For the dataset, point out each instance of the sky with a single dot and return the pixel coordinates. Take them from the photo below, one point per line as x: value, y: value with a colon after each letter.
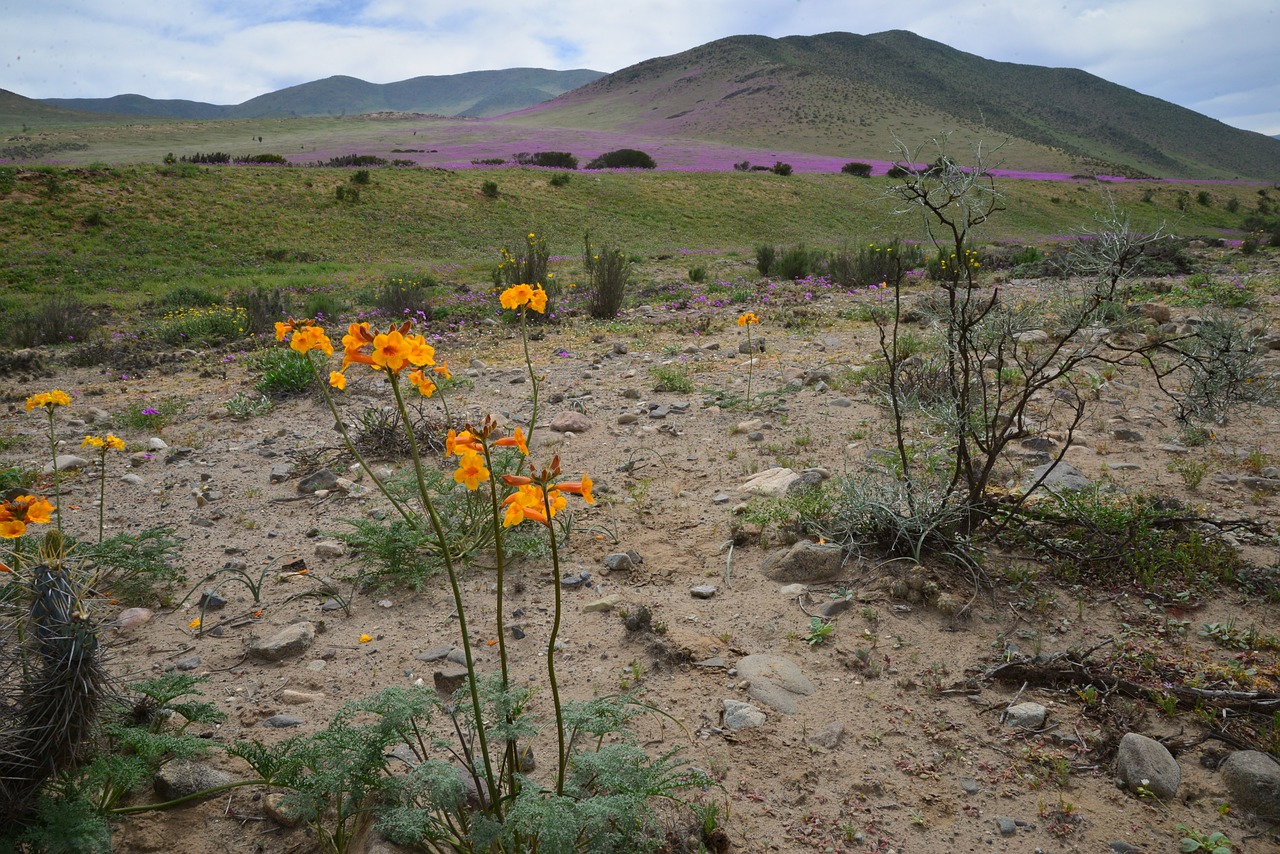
x: 1217, y: 58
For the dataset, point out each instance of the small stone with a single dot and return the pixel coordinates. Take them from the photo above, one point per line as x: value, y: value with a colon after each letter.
x: 1253, y: 783
x: 618, y: 562
x: 790, y: 590
x: 702, y: 591
x: 1026, y: 716
x: 211, y: 601
x: 65, y: 462
x: 608, y: 603
x: 182, y: 777
x: 318, y: 480
x: 330, y: 548
x: 132, y: 479
x: 774, y: 681
x: 1125, y: 434
x: 660, y: 412
x: 722, y: 498
x: 629, y: 418
x: 155, y: 443
x: 131, y: 618
x: 282, y: 721
x: 273, y: 807
x: 739, y: 715
x: 289, y: 641
x: 1122, y: 847
x: 1006, y: 826
x: 755, y: 436
x: 437, y: 653
x: 449, y: 679
x: 191, y: 662
x: 842, y: 402
x: 969, y: 786
x: 806, y: 562
x: 291, y: 697
x: 573, y: 580
x: 570, y: 422
x: 829, y: 736
x: 1146, y: 763
x: 749, y: 426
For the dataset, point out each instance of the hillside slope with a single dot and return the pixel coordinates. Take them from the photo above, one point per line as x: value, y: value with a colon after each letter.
x: 841, y: 92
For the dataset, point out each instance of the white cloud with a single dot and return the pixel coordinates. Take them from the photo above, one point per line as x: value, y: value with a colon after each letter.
x: 1210, y: 57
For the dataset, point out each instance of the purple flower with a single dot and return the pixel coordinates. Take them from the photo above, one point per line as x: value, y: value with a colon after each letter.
x: 150, y: 411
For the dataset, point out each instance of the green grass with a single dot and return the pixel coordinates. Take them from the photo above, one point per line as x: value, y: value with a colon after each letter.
x: 222, y: 230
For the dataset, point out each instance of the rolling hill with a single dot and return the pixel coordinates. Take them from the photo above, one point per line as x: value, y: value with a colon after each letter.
x: 841, y: 92
x: 474, y: 93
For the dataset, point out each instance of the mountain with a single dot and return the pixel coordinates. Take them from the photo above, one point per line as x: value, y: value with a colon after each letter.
x: 838, y: 93
x: 474, y: 93
x: 17, y: 111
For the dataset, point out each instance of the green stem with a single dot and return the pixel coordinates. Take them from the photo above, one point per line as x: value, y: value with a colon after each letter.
x: 351, y: 446
x: 562, y: 758
x: 102, y: 493
x: 451, y: 571
x: 203, y: 793
x: 533, y: 377
x: 53, y: 454
x: 500, y: 559
x: 751, y: 364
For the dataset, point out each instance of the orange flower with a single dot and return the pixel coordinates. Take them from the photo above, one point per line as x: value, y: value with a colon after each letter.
x: 461, y: 443
x: 516, y: 479
x: 194, y: 624
x: 366, y: 638
x: 37, y: 510
x: 538, y: 302
x: 515, y: 440
x: 390, y: 351
x: 471, y: 470
x: 310, y: 338
x: 11, y: 529
x: 424, y: 386
x: 338, y: 380
x: 747, y: 319
x: 443, y: 370
x: 516, y: 296
x: 49, y: 400
x: 580, y: 487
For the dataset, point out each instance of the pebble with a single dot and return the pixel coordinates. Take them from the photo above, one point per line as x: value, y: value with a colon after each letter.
x: 618, y: 562
x: 282, y: 721
x: 702, y: 591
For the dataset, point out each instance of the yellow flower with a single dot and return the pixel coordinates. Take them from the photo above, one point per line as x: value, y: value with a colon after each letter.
x: 310, y: 338
x: 425, y: 386
x: 516, y: 296
x: 38, y: 510
x: 194, y: 624
x: 365, y: 638
x: 747, y: 318
x: 109, y: 442
x: 11, y: 529
x: 390, y: 351
x: 443, y: 370
x: 93, y: 441
x: 338, y: 380
x: 515, y: 440
x: 471, y: 470
x: 115, y: 443
x: 49, y: 399
x: 538, y: 302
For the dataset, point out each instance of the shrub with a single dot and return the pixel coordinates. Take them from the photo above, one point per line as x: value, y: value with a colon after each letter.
x: 874, y: 263
x: 860, y: 170
x: 361, y: 177
x: 1232, y: 205
x: 560, y: 179
x: 671, y: 378
x: 766, y: 257
x: 608, y: 272
x: 262, y: 307
x: 208, y: 325
x: 137, y: 569
x: 547, y: 159
x: 348, y: 160
x: 152, y: 415
x: 344, y: 193
x: 623, y: 158
x: 214, y: 157
x: 1203, y: 198
x: 744, y: 166
x: 323, y: 306
x: 697, y: 275
x: 403, y: 297
x: 271, y: 159
x: 527, y: 265
x: 898, y: 171
x: 798, y: 262
x: 285, y: 373
x: 58, y: 319
x: 489, y: 189
x: 781, y: 168
x: 189, y: 296
x: 489, y: 161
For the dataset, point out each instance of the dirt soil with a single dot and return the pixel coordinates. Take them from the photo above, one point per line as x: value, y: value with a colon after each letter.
x: 900, y: 746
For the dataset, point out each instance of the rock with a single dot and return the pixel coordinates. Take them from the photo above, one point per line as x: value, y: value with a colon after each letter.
x: 570, y: 422
x: 792, y: 590
x: 834, y: 608
x: 274, y: 808
x: 1268, y: 485
x: 330, y: 548
x: 65, y: 462
x: 1006, y: 826
x: 182, y: 777
x: 806, y: 482
x: 211, y: 601
x: 829, y: 736
x: 1145, y: 762
x: 1026, y: 716
x: 132, y: 479
x: 298, y: 698
x: 1126, y: 434
x: 1122, y: 847
x: 282, y: 721
x: 749, y: 426
x: 191, y: 662
x: 739, y: 715
x: 155, y: 443
x: 756, y: 346
x: 138, y: 459
x: 618, y: 562
x: 438, y: 653
x: 770, y: 483
x: 660, y: 411
x: 450, y: 679
x: 318, y: 480
x: 289, y: 641
x: 1253, y: 783
x: 842, y: 402
x: 969, y: 786
x: 1156, y: 311
x: 774, y: 681
x: 574, y: 579
x: 628, y: 418
x: 1064, y: 477
x: 702, y: 591
x: 600, y: 606
x: 131, y: 618
x: 806, y: 562
x: 1032, y: 337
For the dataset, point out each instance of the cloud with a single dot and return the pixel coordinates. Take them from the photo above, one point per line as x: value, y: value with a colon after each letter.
x: 1215, y: 58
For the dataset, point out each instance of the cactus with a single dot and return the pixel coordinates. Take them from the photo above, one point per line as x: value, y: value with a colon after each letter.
x: 51, y: 678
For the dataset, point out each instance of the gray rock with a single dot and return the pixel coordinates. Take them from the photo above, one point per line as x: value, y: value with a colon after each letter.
x: 1125, y: 434
x: 1253, y: 783
x: 1064, y: 477
x: 739, y: 715
x: 438, y: 653
x: 1122, y: 847
x: 702, y: 591
x: 330, y: 548
x: 806, y: 482
x: 191, y: 662
x: 281, y: 472
x: 756, y: 346
x: 1026, y: 716
x: 132, y: 479
x: 770, y: 483
x: 65, y: 462
x: 1006, y: 826
x: 155, y: 443
x: 749, y: 426
x: 182, y: 777
x: 628, y: 418
x: 1145, y: 762
x: 842, y: 402
x: 1157, y: 312
x: 449, y: 679
x: 834, y: 608
x: 1038, y: 443
x: 318, y: 480
x: 570, y: 422
x: 1261, y: 484
x: 289, y: 641
x: 969, y: 786
x: 1032, y: 337
x: 660, y: 411
x: 829, y: 736
x: 211, y: 601
x: 774, y: 681
x: 806, y: 562
x: 618, y: 562
x: 282, y: 721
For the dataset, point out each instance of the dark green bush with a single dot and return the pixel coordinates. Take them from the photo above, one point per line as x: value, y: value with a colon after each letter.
x: 58, y: 319
x: 798, y: 262
x: 361, y: 177
x: 781, y: 168
x: 560, y: 179
x: 766, y: 257
x: 285, y: 373
x: 697, y: 275
x: 489, y: 189
x: 608, y: 273
x: 898, y: 171
x: 263, y: 307
x: 861, y: 170
x: 744, y: 166
x: 873, y: 263
x: 623, y: 158
x: 547, y: 159
x: 343, y: 193
x: 1232, y: 205
x: 213, y: 157
x: 189, y: 296
x: 323, y: 305
x: 347, y: 160
x: 272, y: 159
x: 406, y: 296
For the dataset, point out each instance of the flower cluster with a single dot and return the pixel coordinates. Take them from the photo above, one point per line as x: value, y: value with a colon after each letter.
x: 108, y: 442
x: 19, y: 512
x: 522, y: 295
x: 49, y: 400
x: 747, y: 319
x: 533, y: 500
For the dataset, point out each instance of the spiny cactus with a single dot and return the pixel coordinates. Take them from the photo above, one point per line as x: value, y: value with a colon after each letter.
x: 51, y: 678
